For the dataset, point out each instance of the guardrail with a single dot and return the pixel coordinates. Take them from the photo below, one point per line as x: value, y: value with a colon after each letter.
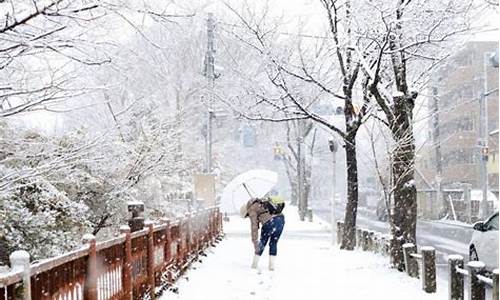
x: 423, y: 265
x: 133, y: 265
x: 367, y: 240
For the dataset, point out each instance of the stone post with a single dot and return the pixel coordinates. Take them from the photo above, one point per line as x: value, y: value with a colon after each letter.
x: 411, y: 264
x: 429, y: 269
x: 364, y: 240
x: 20, y: 261
x: 359, y: 237
x: 340, y: 231
x: 371, y: 241
x: 136, y: 223
x: 495, y: 285
x: 456, y: 281
x: 476, y: 286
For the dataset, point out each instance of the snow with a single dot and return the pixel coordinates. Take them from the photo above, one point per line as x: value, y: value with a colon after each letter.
x: 19, y: 258
x: 307, y: 267
x: 408, y: 245
x: 428, y: 248
x: 124, y: 228
x: 455, y: 257
x: 409, y: 184
x: 86, y: 238
x: 476, y: 264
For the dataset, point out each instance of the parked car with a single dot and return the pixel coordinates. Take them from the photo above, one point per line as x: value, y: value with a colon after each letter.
x: 484, y: 243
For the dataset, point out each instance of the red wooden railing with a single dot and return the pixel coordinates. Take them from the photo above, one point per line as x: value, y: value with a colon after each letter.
x: 130, y: 266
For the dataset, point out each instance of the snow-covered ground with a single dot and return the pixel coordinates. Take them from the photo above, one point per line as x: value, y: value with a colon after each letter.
x: 307, y: 268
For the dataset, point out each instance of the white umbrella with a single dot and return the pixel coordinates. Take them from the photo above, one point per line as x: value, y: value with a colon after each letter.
x: 251, y: 184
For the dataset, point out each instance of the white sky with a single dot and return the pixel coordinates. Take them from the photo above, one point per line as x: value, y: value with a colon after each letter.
x: 306, y: 13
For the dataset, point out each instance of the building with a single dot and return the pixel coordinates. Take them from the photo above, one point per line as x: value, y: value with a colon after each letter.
x: 451, y: 154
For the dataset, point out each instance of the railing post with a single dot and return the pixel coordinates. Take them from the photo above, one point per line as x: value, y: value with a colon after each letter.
x: 411, y: 264
x: 151, y: 260
x: 168, y: 237
x: 429, y: 269
x: 211, y: 233
x: 127, y: 264
x: 168, y: 250
x: 495, y: 285
x: 219, y: 216
x: 195, y: 231
x: 188, y: 233
x: 20, y: 260
x: 206, y: 231
x: 182, y: 243
x: 90, y: 287
x: 456, y: 281
x: 476, y: 286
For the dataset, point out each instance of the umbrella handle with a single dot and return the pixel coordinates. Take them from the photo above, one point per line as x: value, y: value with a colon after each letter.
x: 250, y: 194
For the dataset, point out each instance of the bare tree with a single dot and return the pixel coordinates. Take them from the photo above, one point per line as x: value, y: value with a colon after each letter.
x: 331, y: 65
x: 407, y: 42
x: 291, y: 156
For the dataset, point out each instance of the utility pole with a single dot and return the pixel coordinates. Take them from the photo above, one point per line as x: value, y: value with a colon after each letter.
x: 483, y: 138
x: 300, y: 174
x: 333, y: 149
x: 210, y: 74
x: 437, y: 146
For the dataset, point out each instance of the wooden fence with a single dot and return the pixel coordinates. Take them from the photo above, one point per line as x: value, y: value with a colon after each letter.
x: 134, y: 265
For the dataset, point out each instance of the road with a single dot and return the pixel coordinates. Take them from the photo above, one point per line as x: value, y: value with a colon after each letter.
x: 447, y: 238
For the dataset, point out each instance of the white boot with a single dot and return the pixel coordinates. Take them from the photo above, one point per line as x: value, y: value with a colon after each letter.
x: 272, y: 259
x: 255, y: 261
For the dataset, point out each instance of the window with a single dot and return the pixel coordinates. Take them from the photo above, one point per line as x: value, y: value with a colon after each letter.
x: 492, y: 223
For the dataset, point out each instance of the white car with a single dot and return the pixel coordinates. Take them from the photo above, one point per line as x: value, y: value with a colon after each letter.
x: 484, y: 243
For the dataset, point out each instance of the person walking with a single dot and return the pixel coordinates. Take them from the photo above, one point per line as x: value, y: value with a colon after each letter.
x: 268, y: 214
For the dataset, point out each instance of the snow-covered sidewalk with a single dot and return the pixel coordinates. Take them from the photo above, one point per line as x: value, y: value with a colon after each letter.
x: 307, y: 268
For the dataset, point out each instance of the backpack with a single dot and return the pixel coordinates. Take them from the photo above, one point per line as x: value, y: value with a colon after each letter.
x: 274, y: 204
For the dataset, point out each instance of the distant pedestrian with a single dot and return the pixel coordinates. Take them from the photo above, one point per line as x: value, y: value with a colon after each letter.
x: 266, y: 212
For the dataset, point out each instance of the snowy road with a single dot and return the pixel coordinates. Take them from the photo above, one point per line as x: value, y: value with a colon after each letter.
x: 445, y: 237
x: 307, y: 268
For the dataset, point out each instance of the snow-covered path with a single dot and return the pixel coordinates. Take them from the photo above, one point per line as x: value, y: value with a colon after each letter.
x: 307, y: 268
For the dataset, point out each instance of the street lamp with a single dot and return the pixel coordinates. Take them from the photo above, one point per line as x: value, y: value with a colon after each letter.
x: 333, y: 148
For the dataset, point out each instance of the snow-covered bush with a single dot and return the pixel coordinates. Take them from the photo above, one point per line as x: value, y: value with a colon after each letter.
x: 53, y: 189
x: 41, y: 219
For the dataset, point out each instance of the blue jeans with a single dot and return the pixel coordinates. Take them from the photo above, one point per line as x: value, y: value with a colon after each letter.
x: 271, y: 231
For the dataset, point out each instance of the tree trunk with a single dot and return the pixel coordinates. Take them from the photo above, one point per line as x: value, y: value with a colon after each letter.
x: 349, y: 234
x: 404, y: 215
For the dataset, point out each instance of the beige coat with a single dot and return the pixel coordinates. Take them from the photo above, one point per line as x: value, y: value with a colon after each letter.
x: 258, y: 216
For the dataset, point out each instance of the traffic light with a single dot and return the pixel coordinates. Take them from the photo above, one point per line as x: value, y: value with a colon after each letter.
x: 278, y: 151
x: 485, y: 152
